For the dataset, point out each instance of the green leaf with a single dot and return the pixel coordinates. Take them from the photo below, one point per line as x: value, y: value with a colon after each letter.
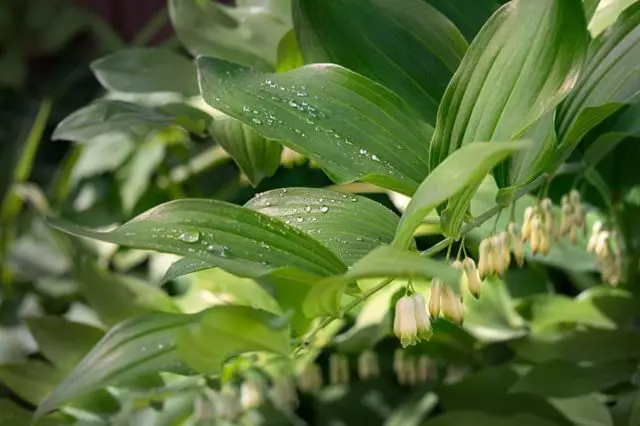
x: 62, y: 342
x: 107, y: 116
x: 584, y: 410
x: 349, y: 225
x: 413, y: 412
x: 468, y: 15
x: 104, y: 153
x: 140, y: 345
x: 247, y: 34
x: 626, y: 411
x: 225, y: 331
x: 481, y: 418
x: 415, y: 55
x: 14, y: 415
x: 606, y: 14
x: 608, y: 81
x: 384, y: 261
x: 289, y: 56
x: 351, y: 126
x: 561, y: 379
x: 185, y: 266
x: 493, y: 317
x: 143, y: 70
x: 239, y: 240
x: 557, y: 310
x: 523, y: 62
x: 256, y: 156
x: 468, y: 164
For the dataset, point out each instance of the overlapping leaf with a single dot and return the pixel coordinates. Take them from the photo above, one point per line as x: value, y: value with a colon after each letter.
x: 468, y: 15
x: 415, y: 55
x: 523, y: 62
x: 349, y: 225
x: 351, y: 126
x: 239, y: 240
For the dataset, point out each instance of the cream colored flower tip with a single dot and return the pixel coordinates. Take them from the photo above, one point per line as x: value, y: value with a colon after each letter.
x: 484, y: 266
x: 452, y: 308
x: 368, y: 367
x: 472, y: 277
x: 516, y: 244
x: 593, y: 239
x: 434, y: 298
x: 423, y: 324
x: 497, y: 256
x: 405, y: 326
x: 534, y: 240
x: 251, y: 394
x: 529, y: 214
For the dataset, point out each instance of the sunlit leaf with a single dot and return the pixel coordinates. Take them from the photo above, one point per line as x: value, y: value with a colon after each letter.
x: 606, y: 13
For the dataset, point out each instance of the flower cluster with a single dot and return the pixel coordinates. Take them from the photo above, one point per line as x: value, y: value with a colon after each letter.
x: 413, y: 370
x: 443, y: 300
x: 411, y: 323
x: 607, y: 257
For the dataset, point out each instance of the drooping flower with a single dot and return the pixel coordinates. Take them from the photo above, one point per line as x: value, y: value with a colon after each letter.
x: 339, y: 369
x: 549, y: 218
x: 567, y: 218
x: 251, y: 394
x: 593, y: 239
x: 497, y: 256
x: 505, y: 239
x: 405, y: 326
x: 472, y: 277
x: 516, y: 244
x: 484, y: 267
x: 434, y: 297
x: 529, y: 213
x: 368, y: 365
x: 452, y: 308
x: 536, y: 235
x: 423, y: 324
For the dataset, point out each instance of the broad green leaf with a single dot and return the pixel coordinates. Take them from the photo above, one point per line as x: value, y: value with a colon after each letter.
x: 606, y: 14
x: 561, y: 379
x: 384, y: 261
x: 225, y: 331
x: 584, y: 410
x: 289, y: 56
x: 349, y: 225
x: 140, y: 345
x: 351, y: 126
x: 626, y: 411
x: 63, y: 342
x: 247, y: 34
x: 413, y: 412
x: 523, y: 62
x: 14, y: 415
x: 558, y: 310
x: 468, y: 15
x: 239, y: 240
x: 256, y: 156
x: 142, y: 70
x: 481, y: 418
x: 415, y: 55
x: 609, y: 79
x: 107, y: 116
x: 104, y: 153
x: 493, y: 317
x: 466, y: 165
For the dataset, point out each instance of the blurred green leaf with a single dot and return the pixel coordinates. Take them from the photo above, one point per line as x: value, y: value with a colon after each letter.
x: 63, y: 343
x: 142, y: 70
x: 561, y: 379
x: 257, y: 157
x: 349, y: 225
x: 225, y: 331
x: 558, y: 310
x: 14, y: 415
x: 239, y: 240
x: 247, y: 34
x: 351, y: 126
x: 413, y: 412
x: 470, y: 163
x: 415, y: 56
x: 140, y: 345
x: 608, y: 81
x: 468, y: 15
x: 480, y: 418
x: 626, y: 411
x: 584, y: 410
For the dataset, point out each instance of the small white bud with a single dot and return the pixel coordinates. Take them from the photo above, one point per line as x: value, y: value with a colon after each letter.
x: 593, y: 239
x: 405, y: 326
x: 535, y: 235
x: 410, y: 372
x: 497, y: 256
x: 368, y: 365
x: 463, y: 277
x: 434, y: 298
x: 566, y: 219
x: 544, y: 242
x: 425, y: 369
x: 526, y: 223
x: 516, y: 244
x: 250, y: 394
x: 574, y: 197
x: 549, y: 218
x: 422, y: 318
x: 338, y: 369
x: 483, y: 258
x: 452, y: 306
x: 472, y: 276
x: 506, y: 249
x: 602, y: 246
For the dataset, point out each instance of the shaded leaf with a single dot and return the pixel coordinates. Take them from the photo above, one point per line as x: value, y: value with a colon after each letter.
x: 140, y: 345
x: 349, y: 225
x: 626, y: 411
x: 14, y: 415
x: 584, y: 410
x: 557, y: 310
x: 562, y: 379
x: 480, y: 418
x: 415, y: 55
x: 142, y: 70
x: 351, y: 126
x: 239, y: 240
x: 606, y: 13
x: 247, y: 34
x: 225, y: 331
x: 256, y: 156
x: 468, y: 15
x: 468, y: 164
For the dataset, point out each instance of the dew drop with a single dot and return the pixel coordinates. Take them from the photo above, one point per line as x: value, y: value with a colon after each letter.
x: 189, y: 236
x: 307, y: 209
x: 374, y: 157
x: 256, y: 121
x: 324, y: 209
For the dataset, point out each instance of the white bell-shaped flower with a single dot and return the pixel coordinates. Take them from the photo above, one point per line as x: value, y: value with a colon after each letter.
x: 405, y: 326
x: 421, y: 317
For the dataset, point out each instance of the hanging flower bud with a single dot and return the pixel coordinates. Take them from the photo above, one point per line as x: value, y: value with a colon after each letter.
x: 410, y: 373
x: 573, y: 233
x: 516, y: 244
x: 544, y: 240
x: 284, y: 395
x: 251, y: 394
x: 452, y: 306
x: 422, y: 318
x: 228, y: 405
x: 535, y: 235
x: 405, y: 326
x: 506, y: 249
x: 425, y: 369
x: 593, y: 239
x: 549, y: 218
x: 483, y: 259
x: 602, y: 246
x: 497, y: 256
x: 434, y: 298
x: 310, y: 379
x: 463, y: 277
x: 566, y: 220
x: 578, y: 210
x: 472, y: 276
x: 526, y: 223
x: 368, y: 365
x: 398, y: 359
